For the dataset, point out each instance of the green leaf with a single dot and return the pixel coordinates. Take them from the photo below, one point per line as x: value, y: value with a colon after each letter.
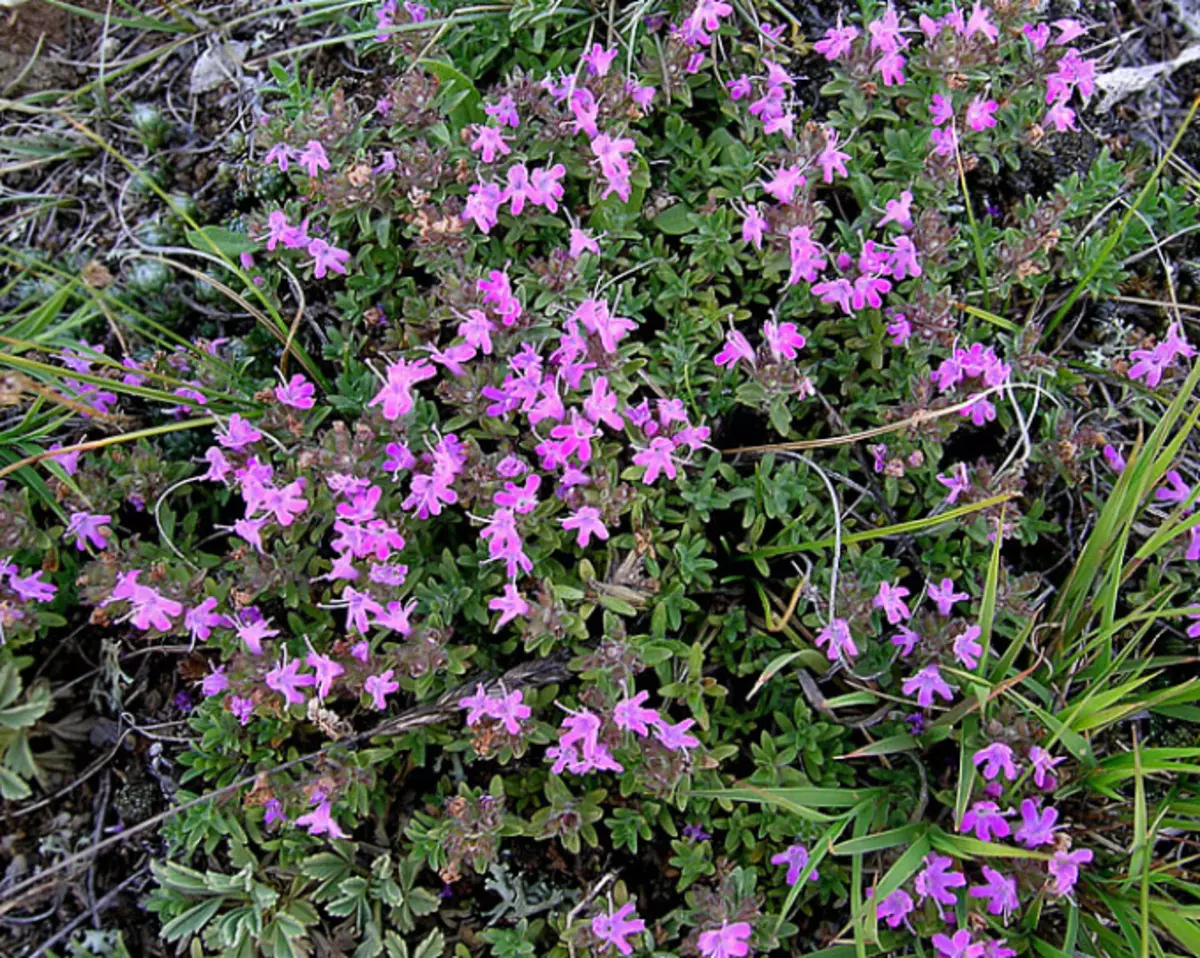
x: 192, y: 920
x: 675, y: 220
x: 210, y: 239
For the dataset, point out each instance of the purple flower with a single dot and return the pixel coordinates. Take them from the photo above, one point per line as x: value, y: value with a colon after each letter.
x: 935, y: 882
x: 957, y: 482
x: 613, y: 928
x: 958, y: 946
x: 379, y: 687
x: 273, y: 812
x: 737, y: 348
x: 510, y: 605
x: 998, y: 758
x: 630, y: 716
x: 728, y: 941
x: 926, y: 684
x: 286, y: 680
x: 1037, y: 825
x: 1000, y: 892
x: 1064, y: 868
x: 986, y: 819
x: 1043, y: 765
x: 297, y: 392
x: 694, y: 833
x: 326, y: 257
x: 890, y: 599
x: 88, y: 528
x: 215, y: 682
x: 944, y: 596
x: 320, y: 820
x: 967, y: 648
x: 313, y: 158
x: 675, y: 737
x: 836, y: 635
x: 895, y: 908
x: 796, y: 859
x: 242, y: 708
x: 906, y: 640
x: 585, y: 522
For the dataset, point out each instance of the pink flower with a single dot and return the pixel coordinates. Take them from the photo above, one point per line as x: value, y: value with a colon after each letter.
x: 941, y: 109
x: 987, y: 821
x: 326, y: 671
x: 885, y: 32
x: 1060, y: 116
x: 944, y: 596
x: 979, y: 23
x: 796, y: 859
x: 483, y: 205
x: 831, y: 159
x: 785, y: 182
x: 807, y: 256
x: 313, y: 158
x: 280, y: 154
x: 326, y: 257
x: 201, y: 620
x: 88, y: 528
x: 582, y: 242
x: 215, y: 682
x: 297, y: 392
x: 1038, y: 35
x: 612, y: 928
x: 898, y: 211
x: 599, y: 59
x: 1068, y: 30
x: 998, y: 758
x: 675, y: 737
x: 596, y: 318
x: 782, y: 339
x: 630, y: 716
x: 944, y: 141
x: 489, y: 142
x: 1000, y: 892
x: 510, y: 605
x: 890, y: 599
x: 586, y: 522
x: 737, y: 348
x: 521, y: 499
x: 838, y: 41
x: 754, y: 226
x: 1174, y: 489
x: 657, y: 458
x: 891, y: 69
x: 504, y: 112
x: 320, y: 820
x: 981, y: 114
x: 379, y: 687
x: 926, y: 684
x: 238, y: 434
x: 739, y: 87
x: 836, y: 635
x: 728, y: 941
x: 286, y: 680
x: 956, y: 482
x: 396, y: 394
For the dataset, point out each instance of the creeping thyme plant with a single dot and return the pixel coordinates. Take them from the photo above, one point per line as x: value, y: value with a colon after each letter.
x: 665, y: 491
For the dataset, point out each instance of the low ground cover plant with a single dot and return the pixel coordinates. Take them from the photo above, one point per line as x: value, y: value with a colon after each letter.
x: 633, y: 480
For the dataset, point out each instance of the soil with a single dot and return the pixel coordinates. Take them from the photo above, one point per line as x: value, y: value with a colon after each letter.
x: 36, y: 39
